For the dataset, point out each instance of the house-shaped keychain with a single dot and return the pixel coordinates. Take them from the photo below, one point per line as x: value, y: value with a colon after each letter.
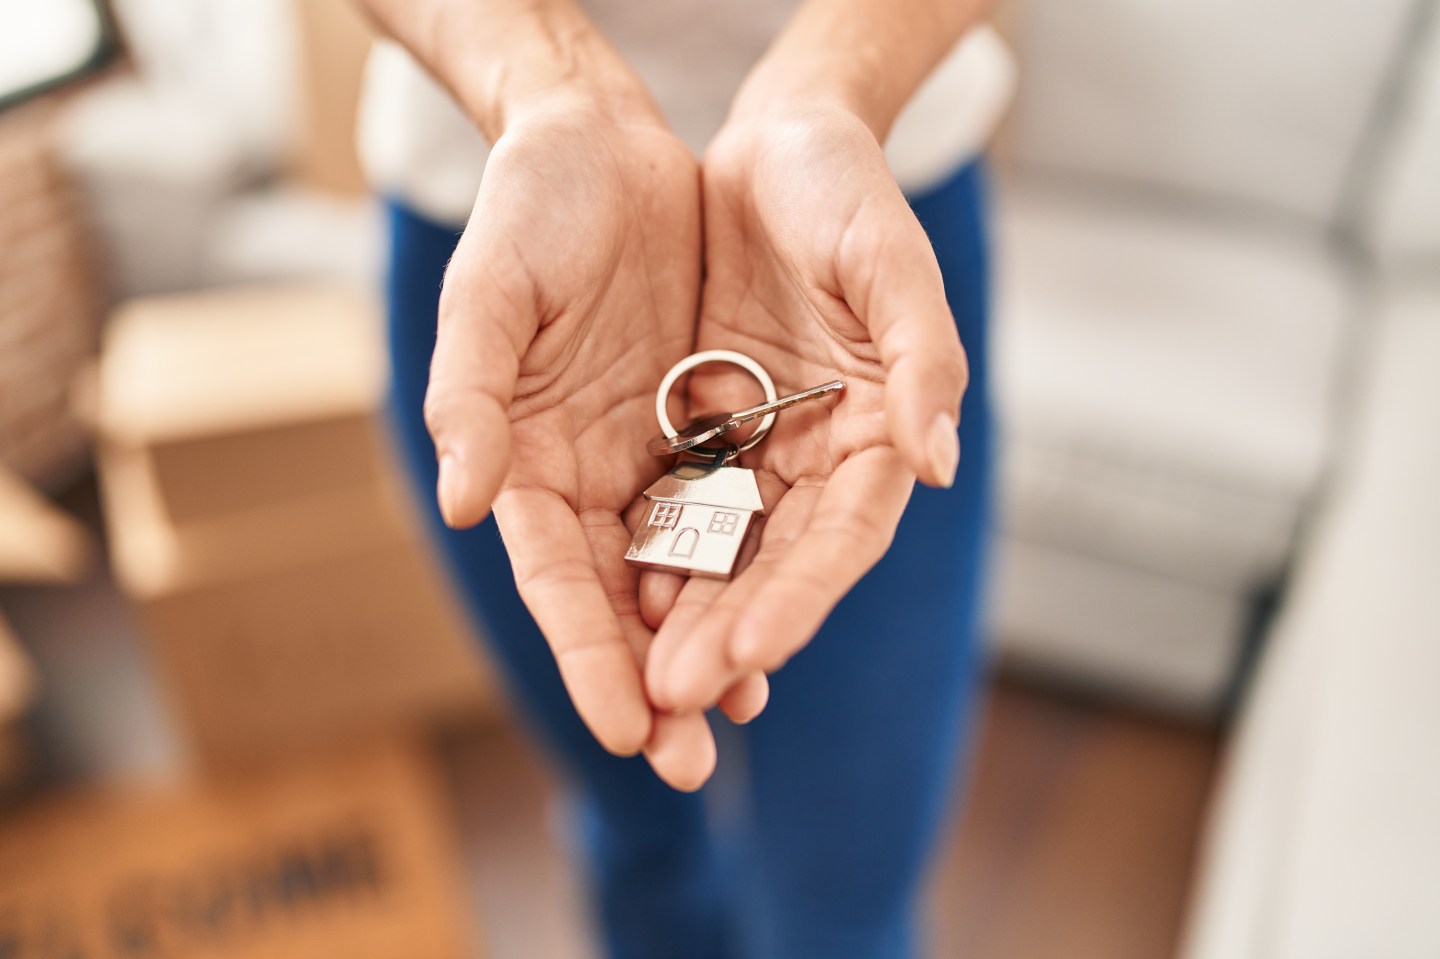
x: 697, y: 520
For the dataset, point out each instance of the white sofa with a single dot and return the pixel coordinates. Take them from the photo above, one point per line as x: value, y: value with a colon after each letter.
x: 1178, y: 304
x: 177, y: 162
x: 1324, y: 841
x: 1173, y: 304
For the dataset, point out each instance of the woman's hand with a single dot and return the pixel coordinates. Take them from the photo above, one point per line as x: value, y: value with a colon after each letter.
x: 572, y: 291
x: 817, y: 268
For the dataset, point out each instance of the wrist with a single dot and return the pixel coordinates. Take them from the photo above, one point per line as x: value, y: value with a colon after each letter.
x: 568, y: 101
x: 865, y: 56
x: 814, y: 87
x: 798, y: 113
x: 545, y: 59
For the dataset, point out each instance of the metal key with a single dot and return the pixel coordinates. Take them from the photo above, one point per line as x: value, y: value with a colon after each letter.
x: 699, y: 512
x: 707, y: 428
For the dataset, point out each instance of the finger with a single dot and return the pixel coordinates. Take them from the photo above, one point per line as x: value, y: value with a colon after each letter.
x: 746, y: 699
x: 850, y: 529
x: 810, y: 558
x: 693, y: 595
x: 658, y: 593
x: 479, y: 340
x: 558, y: 578
x: 686, y: 614
x: 890, y: 279
x: 682, y: 750
x: 690, y: 665
x: 748, y: 696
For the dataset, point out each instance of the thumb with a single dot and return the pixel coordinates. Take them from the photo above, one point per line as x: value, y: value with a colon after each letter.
x: 891, y: 281
x: 472, y: 382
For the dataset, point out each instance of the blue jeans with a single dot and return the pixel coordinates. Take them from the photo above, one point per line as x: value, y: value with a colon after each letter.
x: 813, y: 840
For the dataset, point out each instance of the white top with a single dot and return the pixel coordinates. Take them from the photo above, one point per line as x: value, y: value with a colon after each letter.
x: 419, y: 147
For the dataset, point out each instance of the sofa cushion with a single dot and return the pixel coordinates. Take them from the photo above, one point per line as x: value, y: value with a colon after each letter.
x: 1340, y: 856
x: 1263, y: 103
x: 1403, y: 226
x: 1165, y: 383
x: 1115, y: 629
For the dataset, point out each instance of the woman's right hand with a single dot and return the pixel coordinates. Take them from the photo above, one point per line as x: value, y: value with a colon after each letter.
x: 816, y: 267
x: 572, y: 290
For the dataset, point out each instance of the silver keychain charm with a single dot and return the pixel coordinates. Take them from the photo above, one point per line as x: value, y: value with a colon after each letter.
x: 700, y: 511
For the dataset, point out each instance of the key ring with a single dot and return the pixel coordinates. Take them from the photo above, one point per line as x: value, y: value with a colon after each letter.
x: 717, y: 356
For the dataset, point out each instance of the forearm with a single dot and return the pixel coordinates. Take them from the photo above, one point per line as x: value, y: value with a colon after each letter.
x: 500, y: 58
x: 867, y: 55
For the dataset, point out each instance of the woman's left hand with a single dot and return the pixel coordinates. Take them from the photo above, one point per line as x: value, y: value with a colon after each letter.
x: 817, y: 268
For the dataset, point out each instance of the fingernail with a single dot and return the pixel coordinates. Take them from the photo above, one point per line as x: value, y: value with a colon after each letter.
x: 944, y: 449
x: 447, y: 490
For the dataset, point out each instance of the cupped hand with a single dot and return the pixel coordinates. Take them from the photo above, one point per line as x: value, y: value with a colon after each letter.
x: 571, y: 292
x: 816, y: 267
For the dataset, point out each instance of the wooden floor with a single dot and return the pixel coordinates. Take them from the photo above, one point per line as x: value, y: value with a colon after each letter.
x: 1079, y: 835
x: 1077, y: 840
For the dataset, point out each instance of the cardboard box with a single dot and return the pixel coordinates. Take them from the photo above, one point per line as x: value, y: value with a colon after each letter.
x: 17, y: 679
x: 256, y: 520
x: 17, y: 761
x: 38, y: 543
x: 17, y: 691
x: 293, y: 627
x: 352, y: 856
x: 246, y: 397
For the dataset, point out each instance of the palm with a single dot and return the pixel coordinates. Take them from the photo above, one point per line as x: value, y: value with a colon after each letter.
x: 570, y: 294
x: 797, y: 272
x: 776, y: 296
x: 603, y: 253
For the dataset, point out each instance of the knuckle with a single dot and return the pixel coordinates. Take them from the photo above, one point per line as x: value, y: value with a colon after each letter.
x: 774, y: 546
x: 437, y: 409
x: 860, y: 537
x: 563, y: 575
x: 950, y: 366
x: 570, y: 657
x: 622, y: 739
x: 803, y: 587
x: 453, y: 289
x: 957, y: 367
x: 776, y: 653
x: 623, y: 599
x: 448, y: 404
